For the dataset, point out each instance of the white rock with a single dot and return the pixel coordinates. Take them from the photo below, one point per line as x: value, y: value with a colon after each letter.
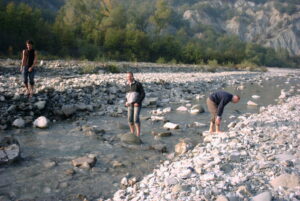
x: 170, y: 125
x: 208, y: 177
x: 41, y: 122
x: 182, y: 109
x: 251, y: 103
x: 19, y: 123
x: 40, y: 104
x: 255, y: 96
x: 265, y: 196
x: 198, y: 124
x: 167, y: 110
x: 158, y: 118
x: 195, y: 111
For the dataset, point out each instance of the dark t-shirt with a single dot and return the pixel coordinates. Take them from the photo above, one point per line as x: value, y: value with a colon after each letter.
x: 221, y: 98
x: 30, y: 54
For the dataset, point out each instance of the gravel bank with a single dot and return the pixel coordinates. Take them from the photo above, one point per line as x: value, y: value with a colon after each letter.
x: 258, y: 159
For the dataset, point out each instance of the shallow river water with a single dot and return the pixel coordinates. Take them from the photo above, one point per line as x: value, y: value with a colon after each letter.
x: 32, y: 178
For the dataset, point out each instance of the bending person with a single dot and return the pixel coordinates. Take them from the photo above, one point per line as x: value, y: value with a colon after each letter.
x: 135, y: 94
x: 216, y: 103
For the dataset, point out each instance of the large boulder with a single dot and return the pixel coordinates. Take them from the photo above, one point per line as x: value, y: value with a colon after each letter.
x: 9, y: 150
x: 41, y: 122
x: 130, y: 138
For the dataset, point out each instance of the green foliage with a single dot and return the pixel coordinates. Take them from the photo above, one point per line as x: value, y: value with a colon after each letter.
x: 113, y: 68
x: 212, y: 63
x: 134, y: 30
x: 161, y: 60
x: 88, y: 69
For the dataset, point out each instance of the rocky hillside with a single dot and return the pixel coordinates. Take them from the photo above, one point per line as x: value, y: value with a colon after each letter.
x: 272, y: 23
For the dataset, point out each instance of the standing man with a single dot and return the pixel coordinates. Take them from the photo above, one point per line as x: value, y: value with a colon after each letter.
x: 216, y: 103
x: 135, y: 94
x: 29, y: 60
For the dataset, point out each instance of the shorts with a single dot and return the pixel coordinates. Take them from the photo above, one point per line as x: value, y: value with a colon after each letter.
x: 213, y: 109
x: 134, y: 114
x: 28, y: 75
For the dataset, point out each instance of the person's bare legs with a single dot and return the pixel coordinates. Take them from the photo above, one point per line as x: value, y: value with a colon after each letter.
x: 27, y: 89
x: 218, y: 128
x: 31, y: 90
x: 131, y: 126
x: 138, y: 130
x: 211, y: 127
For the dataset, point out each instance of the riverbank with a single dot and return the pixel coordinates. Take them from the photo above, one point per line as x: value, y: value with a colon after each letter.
x: 62, y: 92
x: 258, y: 159
x: 87, y: 117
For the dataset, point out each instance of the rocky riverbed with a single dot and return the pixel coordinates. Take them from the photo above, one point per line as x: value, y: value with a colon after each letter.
x: 81, y: 112
x: 63, y: 92
x: 258, y: 159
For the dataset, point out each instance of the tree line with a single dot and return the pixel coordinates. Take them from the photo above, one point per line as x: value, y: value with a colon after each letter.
x: 131, y: 30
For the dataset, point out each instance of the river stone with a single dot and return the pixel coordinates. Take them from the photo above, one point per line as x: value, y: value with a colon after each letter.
x: 158, y: 118
x: 84, y: 162
x: 222, y: 198
x: 171, y: 181
x: 2, y: 98
x: 117, y: 164
x: 251, y: 103
x: 161, y: 134
x: 40, y: 104
x: 289, y: 181
x: 182, y: 109
x: 68, y: 110
x: 41, y: 122
x: 255, y: 96
x: 170, y: 125
x: 183, y: 146
x: 9, y: 150
x: 159, y: 147
x: 195, y: 111
x: 11, y: 108
x: 19, y: 123
x: 151, y: 101
x: 199, y: 108
x: 265, y: 196
x: 130, y: 138
x: 167, y: 110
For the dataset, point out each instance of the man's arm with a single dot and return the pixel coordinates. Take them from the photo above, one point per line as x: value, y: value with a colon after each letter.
x: 23, y: 60
x: 141, y: 93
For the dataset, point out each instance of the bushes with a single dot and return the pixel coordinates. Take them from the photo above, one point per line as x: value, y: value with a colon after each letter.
x: 88, y: 69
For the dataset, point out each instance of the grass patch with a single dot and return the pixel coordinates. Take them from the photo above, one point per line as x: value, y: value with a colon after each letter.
x: 88, y: 69
x: 113, y: 68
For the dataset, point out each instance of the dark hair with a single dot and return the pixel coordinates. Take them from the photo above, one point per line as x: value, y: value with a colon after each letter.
x: 29, y: 42
x: 129, y: 72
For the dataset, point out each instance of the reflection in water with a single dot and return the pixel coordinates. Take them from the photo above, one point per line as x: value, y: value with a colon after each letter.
x: 47, y: 154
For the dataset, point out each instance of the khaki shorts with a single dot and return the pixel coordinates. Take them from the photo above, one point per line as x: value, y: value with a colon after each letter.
x: 213, y: 109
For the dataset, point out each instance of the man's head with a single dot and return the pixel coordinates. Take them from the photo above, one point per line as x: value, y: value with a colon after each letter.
x: 235, y: 99
x: 29, y: 44
x: 130, y: 77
